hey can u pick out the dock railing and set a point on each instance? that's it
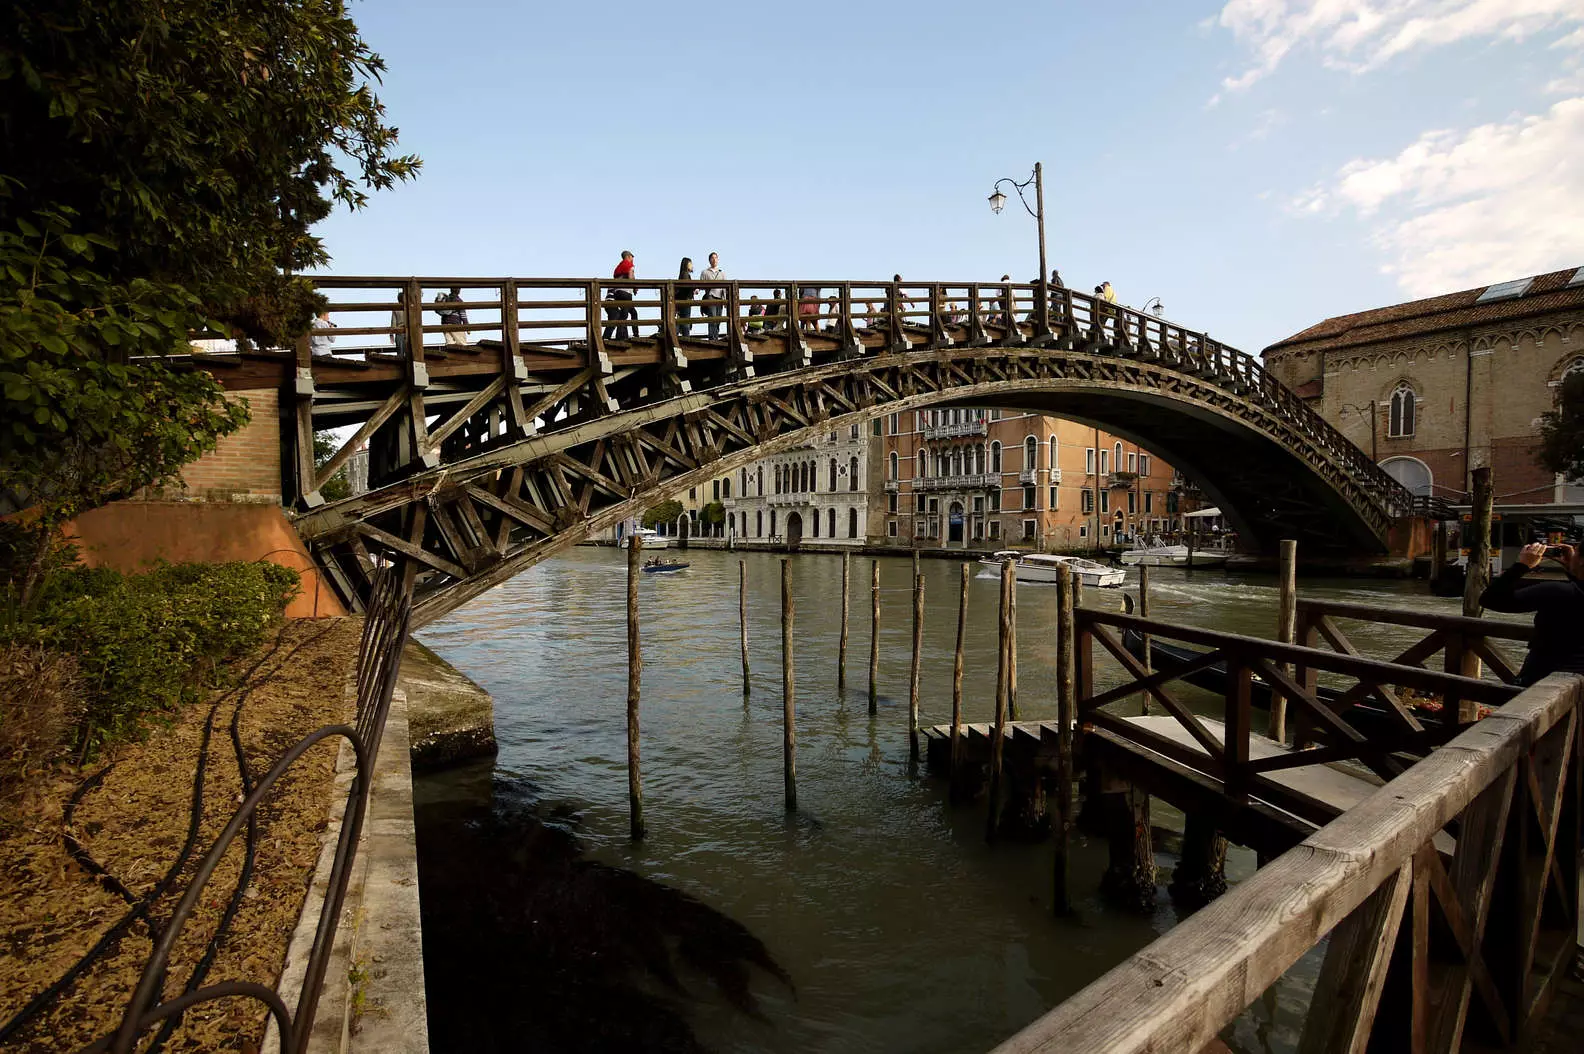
(1423, 948)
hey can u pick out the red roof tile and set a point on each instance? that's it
(1450, 311)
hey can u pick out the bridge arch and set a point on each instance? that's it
(477, 487)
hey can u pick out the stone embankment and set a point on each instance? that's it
(451, 718)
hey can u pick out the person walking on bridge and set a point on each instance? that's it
(714, 296)
(683, 294)
(1558, 643)
(452, 316)
(616, 329)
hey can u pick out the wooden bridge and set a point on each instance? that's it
(538, 426)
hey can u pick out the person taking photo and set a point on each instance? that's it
(1558, 642)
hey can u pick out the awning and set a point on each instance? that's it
(1202, 514)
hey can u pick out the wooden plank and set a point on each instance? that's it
(1418, 619)
(1177, 710)
(1349, 986)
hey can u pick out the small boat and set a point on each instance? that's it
(664, 567)
(1172, 556)
(650, 539)
(1041, 567)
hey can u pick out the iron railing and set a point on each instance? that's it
(379, 661)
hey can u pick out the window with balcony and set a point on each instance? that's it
(995, 457)
(893, 466)
(979, 459)
(1055, 460)
(1116, 456)
(1030, 454)
(1132, 461)
(920, 465)
(852, 474)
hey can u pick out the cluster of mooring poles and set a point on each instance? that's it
(1122, 806)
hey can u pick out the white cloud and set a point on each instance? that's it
(1455, 209)
(1358, 35)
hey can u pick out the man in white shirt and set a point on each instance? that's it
(320, 338)
(714, 296)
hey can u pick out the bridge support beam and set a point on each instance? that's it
(1129, 880)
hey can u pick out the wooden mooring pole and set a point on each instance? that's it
(874, 635)
(1012, 678)
(1143, 610)
(1066, 712)
(634, 676)
(742, 616)
(1478, 576)
(788, 690)
(957, 681)
(913, 670)
(1286, 631)
(992, 821)
(841, 652)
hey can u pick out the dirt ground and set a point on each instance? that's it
(105, 855)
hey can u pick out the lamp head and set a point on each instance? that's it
(997, 201)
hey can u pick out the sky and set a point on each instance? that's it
(1259, 165)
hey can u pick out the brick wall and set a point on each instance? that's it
(244, 467)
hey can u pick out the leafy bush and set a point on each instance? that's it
(146, 643)
(666, 512)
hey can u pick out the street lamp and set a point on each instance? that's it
(1154, 306)
(1359, 411)
(998, 202)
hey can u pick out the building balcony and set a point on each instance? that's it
(1028, 475)
(956, 431)
(1121, 479)
(893, 485)
(967, 481)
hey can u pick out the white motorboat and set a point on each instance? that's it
(1173, 556)
(1041, 567)
(649, 538)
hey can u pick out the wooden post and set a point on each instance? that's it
(874, 634)
(1129, 880)
(1200, 875)
(788, 687)
(1286, 631)
(1149, 666)
(841, 653)
(1012, 680)
(1438, 555)
(1066, 715)
(915, 563)
(999, 729)
(1193, 537)
(742, 615)
(957, 679)
(913, 671)
(1478, 575)
(634, 674)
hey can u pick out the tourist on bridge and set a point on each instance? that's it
(321, 338)
(626, 271)
(714, 296)
(453, 316)
(833, 309)
(685, 292)
(756, 314)
(1558, 643)
(808, 308)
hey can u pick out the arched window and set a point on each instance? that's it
(1054, 463)
(852, 523)
(742, 524)
(803, 478)
(759, 523)
(772, 523)
(920, 466)
(830, 523)
(1401, 421)
(852, 474)
(1116, 457)
(895, 466)
(742, 482)
(1030, 454)
(777, 474)
(979, 459)
(957, 468)
(726, 487)
(833, 475)
(760, 489)
(995, 457)
(814, 522)
(1411, 473)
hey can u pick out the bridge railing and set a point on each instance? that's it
(1367, 721)
(1423, 947)
(578, 321)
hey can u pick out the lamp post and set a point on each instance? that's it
(1359, 411)
(1154, 306)
(998, 201)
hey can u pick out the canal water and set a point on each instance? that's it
(896, 926)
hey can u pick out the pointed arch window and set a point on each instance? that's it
(852, 474)
(1030, 454)
(1400, 422)
(995, 457)
(895, 466)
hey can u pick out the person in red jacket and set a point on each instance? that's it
(616, 313)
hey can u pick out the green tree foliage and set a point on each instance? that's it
(666, 512)
(1562, 431)
(337, 486)
(713, 514)
(165, 162)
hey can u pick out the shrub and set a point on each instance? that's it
(40, 701)
(145, 643)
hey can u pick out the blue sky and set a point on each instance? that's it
(1257, 164)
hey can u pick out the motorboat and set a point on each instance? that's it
(650, 538)
(1041, 567)
(658, 566)
(1172, 556)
